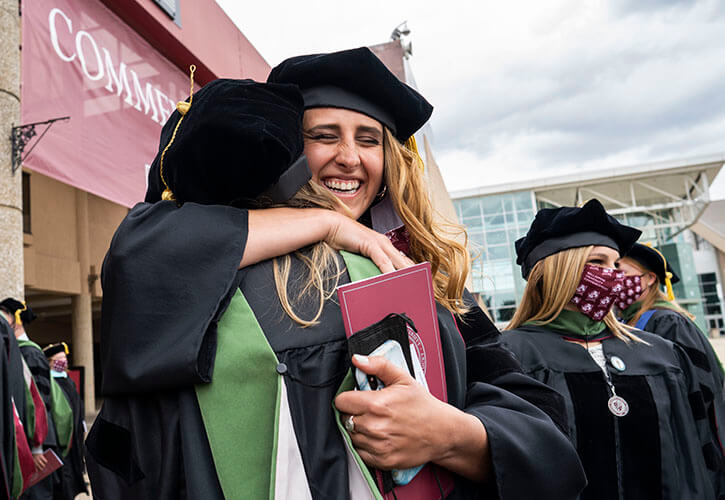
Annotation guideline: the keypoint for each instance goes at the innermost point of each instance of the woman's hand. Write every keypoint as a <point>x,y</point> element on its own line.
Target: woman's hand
<point>40,461</point>
<point>403,425</point>
<point>279,231</point>
<point>347,234</point>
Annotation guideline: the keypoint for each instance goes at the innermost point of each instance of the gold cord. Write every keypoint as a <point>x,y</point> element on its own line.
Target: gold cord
<point>182,107</point>
<point>412,146</point>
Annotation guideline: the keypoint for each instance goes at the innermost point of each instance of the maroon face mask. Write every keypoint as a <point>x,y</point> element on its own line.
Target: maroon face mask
<point>630,293</point>
<point>59,365</point>
<point>597,291</point>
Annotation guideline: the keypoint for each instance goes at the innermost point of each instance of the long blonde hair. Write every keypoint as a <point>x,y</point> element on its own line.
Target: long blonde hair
<point>429,240</point>
<point>551,285</point>
<point>321,261</point>
<point>654,294</point>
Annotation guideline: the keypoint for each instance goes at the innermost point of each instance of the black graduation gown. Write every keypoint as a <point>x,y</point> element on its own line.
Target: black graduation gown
<point>661,448</point>
<point>15,389</point>
<point>40,370</point>
<point>70,475</point>
<point>15,371</point>
<point>7,419</point>
<point>149,440</point>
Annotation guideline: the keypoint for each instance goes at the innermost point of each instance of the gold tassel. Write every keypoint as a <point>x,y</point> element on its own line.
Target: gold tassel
<point>668,275</point>
<point>668,286</point>
<point>412,146</point>
<point>182,107</point>
<point>19,321</point>
<point>65,348</point>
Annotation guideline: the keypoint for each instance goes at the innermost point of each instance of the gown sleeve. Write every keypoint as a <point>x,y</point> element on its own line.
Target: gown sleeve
<point>711,447</point>
<point>487,360</point>
<point>706,368</point>
<point>524,420</point>
<point>165,278</point>
<point>524,441</point>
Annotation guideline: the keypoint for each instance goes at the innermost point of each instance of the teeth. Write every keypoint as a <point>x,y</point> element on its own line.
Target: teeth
<point>352,185</point>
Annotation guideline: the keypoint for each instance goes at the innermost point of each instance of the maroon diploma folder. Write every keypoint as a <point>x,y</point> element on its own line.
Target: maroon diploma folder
<point>408,291</point>
<point>54,462</point>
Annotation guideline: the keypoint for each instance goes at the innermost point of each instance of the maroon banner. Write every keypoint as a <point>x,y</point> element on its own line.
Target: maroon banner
<point>80,60</point>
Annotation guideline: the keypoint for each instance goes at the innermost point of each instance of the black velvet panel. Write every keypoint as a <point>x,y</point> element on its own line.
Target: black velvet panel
<point>707,395</point>
<point>697,357</point>
<point>712,457</point>
<point>639,438</point>
<point>475,326</point>
<point>498,361</point>
<point>594,434</point>
<point>116,453</point>
<point>697,404</point>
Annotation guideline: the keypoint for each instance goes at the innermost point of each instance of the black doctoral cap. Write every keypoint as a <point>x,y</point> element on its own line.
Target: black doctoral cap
<point>653,260</point>
<point>557,229</point>
<point>53,349</point>
<point>23,313</point>
<point>234,141</point>
<point>356,79</point>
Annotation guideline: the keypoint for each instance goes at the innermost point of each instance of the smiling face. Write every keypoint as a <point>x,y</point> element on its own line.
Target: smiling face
<point>344,150</point>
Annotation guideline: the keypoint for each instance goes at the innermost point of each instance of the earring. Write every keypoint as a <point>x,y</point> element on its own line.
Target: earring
<point>381,193</point>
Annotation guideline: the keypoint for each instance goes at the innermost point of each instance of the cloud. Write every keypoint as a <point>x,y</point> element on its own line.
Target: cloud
<point>535,88</point>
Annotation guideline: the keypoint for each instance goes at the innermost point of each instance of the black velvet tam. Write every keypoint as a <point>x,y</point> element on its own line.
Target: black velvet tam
<point>235,142</point>
<point>356,79</point>
<point>557,229</point>
<point>11,305</point>
<point>651,260</point>
<point>53,349</point>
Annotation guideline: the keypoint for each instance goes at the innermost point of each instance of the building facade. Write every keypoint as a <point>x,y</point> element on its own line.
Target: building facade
<point>664,200</point>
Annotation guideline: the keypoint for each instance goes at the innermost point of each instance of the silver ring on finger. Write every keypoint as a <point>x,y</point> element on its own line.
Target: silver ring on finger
<point>349,424</point>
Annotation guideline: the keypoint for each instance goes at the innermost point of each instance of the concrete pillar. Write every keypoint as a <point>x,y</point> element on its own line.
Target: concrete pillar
<point>11,195</point>
<point>82,306</point>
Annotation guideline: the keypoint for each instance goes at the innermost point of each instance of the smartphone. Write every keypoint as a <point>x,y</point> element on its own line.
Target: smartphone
<point>390,350</point>
<point>393,352</point>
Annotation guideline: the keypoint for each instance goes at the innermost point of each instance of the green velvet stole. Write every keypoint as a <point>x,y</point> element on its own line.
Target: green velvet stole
<point>574,323</point>
<point>240,406</point>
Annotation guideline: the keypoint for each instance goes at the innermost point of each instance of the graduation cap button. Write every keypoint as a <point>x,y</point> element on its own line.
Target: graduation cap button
<point>281,368</point>
<point>617,363</point>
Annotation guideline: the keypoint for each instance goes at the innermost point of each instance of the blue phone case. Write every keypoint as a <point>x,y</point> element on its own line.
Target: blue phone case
<point>393,352</point>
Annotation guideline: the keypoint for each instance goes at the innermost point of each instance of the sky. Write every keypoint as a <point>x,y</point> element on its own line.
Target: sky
<point>526,89</point>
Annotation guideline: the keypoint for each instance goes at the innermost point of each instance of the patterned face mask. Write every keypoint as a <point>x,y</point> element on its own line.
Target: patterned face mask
<point>630,293</point>
<point>59,365</point>
<point>598,289</point>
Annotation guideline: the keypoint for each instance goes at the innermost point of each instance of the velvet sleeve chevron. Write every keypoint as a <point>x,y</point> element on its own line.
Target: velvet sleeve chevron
<point>524,443</point>
<point>706,368</point>
<point>712,449</point>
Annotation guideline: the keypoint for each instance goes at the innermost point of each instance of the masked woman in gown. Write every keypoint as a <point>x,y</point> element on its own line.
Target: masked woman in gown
<point>635,409</point>
<point>648,308</point>
<point>172,294</point>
